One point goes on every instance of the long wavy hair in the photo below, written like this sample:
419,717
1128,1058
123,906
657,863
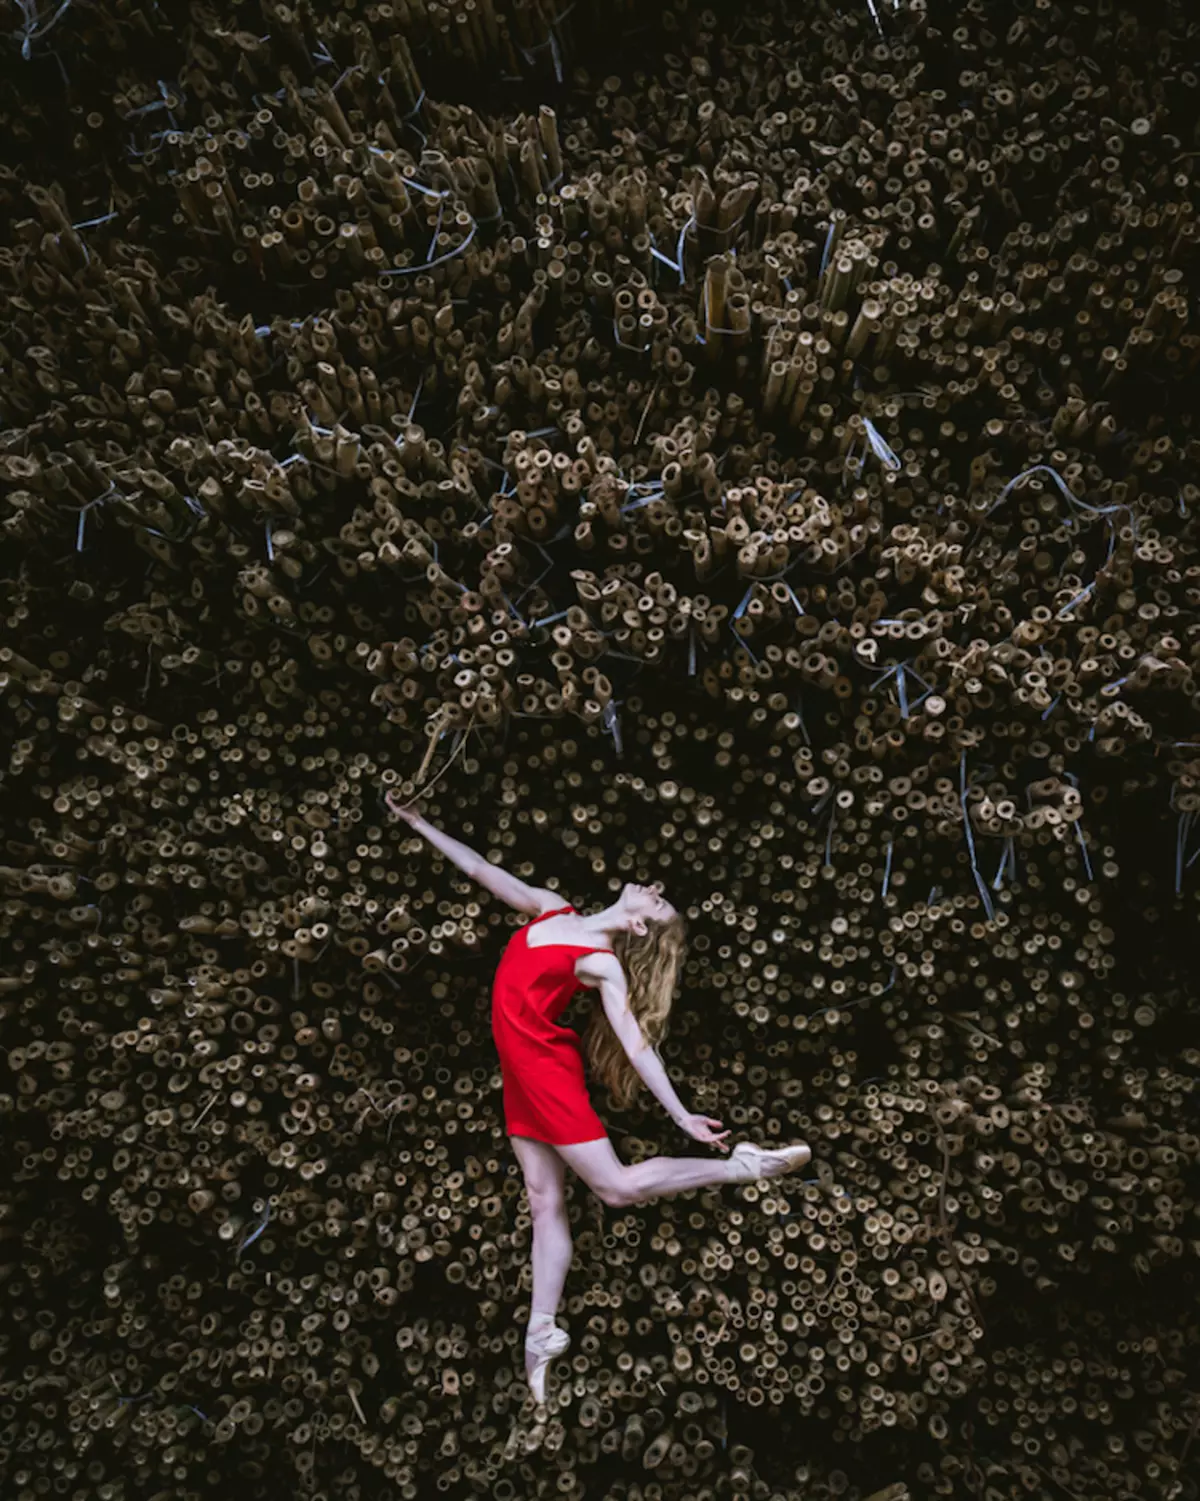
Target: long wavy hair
651,961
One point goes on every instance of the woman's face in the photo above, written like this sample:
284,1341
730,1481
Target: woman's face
643,904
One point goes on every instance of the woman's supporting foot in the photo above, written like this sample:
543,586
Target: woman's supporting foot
543,1342
749,1163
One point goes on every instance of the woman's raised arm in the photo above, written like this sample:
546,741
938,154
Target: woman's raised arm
509,888
604,971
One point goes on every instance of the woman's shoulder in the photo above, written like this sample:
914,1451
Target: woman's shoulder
597,965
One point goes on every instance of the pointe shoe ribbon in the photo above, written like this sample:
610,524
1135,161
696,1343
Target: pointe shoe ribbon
762,1162
542,1346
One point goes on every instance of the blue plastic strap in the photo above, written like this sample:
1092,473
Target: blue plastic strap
1087,864
1181,835
1003,863
429,265
879,446
1063,487
112,493
437,229
828,247
676,265
612,724
104,218
411,182
679,244
258,1229
979,881
1071,603
654,493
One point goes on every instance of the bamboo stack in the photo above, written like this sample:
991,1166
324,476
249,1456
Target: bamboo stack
748,449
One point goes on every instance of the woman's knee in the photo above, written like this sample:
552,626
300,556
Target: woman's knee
544,1175
602,1170
617,1193
546,1197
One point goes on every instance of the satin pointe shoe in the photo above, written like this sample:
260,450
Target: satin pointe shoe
542,1345
754,1162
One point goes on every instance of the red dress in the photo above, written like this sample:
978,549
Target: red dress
541,1063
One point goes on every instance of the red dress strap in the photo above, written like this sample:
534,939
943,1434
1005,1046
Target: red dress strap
554,912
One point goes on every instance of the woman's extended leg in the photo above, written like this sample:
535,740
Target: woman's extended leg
619,1183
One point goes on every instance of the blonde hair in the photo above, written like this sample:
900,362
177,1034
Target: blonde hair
651,961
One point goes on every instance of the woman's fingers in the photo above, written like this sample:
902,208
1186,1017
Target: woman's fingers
401,810
706,1128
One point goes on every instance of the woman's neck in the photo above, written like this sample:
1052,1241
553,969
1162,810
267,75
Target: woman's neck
605,924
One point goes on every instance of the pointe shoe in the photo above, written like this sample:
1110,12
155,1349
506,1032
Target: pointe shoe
762,1162
541,1347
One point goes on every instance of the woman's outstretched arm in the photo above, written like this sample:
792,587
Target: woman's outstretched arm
605,971
509,888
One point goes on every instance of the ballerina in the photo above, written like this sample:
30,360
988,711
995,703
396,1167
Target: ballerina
630,954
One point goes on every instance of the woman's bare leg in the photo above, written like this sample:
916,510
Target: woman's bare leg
618,1183
545,1183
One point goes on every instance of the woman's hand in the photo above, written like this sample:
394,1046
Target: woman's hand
409,814
700,1128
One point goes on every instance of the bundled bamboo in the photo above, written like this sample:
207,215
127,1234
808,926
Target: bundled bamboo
743,447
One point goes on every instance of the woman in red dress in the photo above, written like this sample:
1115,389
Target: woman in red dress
630,954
